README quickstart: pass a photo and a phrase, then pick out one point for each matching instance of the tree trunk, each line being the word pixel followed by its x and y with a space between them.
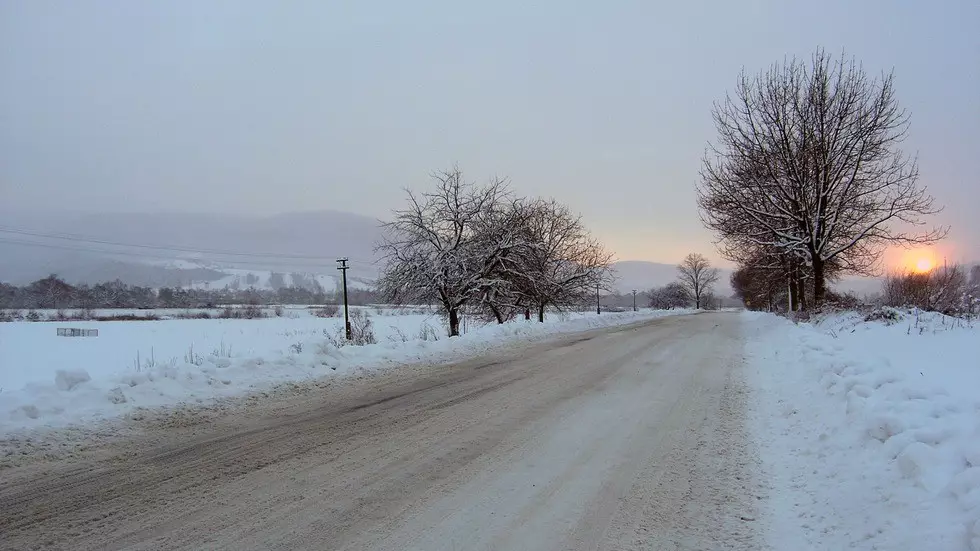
pixel 541 313
pixel 793 297
pixel 794 289
pixel 497 314
pixel 798 287
pixel 527 314
pixel 453 322
pixel 801 292
pixel 819 283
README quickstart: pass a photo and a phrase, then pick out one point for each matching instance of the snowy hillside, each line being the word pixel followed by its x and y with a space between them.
pixel 271 280
pixel 869 430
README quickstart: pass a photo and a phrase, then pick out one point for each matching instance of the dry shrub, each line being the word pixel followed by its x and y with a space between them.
pixel 361 328
pixel 326 311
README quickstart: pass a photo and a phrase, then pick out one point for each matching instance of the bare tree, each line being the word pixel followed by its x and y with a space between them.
pixel 448 245
pixel 500 297
pixel 697 276
pixel 973 291
pixel 943 289
pixel 51 292
pixel 670 296
pixel 807 161
pixel 560 264
pixel 949 288
pixel 710 301
pixel 758 287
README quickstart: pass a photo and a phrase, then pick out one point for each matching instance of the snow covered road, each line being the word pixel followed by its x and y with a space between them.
pixel 623 438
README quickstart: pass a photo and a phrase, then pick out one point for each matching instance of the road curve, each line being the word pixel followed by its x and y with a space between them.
pixel 627 438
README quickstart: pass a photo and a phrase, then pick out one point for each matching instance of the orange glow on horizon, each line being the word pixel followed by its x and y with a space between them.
pixel 920 260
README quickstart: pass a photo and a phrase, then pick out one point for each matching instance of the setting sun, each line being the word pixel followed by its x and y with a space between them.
pixel 920 260
pixel 923 265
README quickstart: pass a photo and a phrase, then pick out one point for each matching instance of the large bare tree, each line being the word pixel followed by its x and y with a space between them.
pixel 808 162
pixel 448 245
pixel 697 276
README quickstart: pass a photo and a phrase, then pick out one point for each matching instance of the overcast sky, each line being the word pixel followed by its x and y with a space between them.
pixel 268 107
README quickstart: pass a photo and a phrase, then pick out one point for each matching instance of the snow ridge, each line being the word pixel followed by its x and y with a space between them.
pixel 870 431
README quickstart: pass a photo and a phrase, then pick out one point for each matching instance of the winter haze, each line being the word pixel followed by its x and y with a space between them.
pixel 222 120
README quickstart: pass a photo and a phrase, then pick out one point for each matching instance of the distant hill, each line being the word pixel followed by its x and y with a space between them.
pixel 166 242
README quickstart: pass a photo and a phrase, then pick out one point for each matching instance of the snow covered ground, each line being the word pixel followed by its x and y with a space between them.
pixel 869 430
pixel 50 381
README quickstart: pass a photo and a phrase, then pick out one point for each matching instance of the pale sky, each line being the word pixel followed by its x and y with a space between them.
pixel 269 107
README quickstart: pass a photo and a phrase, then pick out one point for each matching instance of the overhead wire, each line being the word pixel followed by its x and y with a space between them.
pixel 173 248
pixel 246 262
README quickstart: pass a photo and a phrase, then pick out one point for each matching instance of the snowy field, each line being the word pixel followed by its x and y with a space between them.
pixel 50 381
pixel 869 430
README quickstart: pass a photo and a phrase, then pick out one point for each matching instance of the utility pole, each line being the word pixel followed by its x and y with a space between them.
pixel 634 300
pixel 598 309
pixel 343 270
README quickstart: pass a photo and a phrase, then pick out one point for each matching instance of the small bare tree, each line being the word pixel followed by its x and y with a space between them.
pixel 973 291
pixel 697 276
pixel 949 289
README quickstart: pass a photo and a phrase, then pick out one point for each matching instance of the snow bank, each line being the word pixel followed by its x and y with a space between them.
pixel 50 381
pixel 869 431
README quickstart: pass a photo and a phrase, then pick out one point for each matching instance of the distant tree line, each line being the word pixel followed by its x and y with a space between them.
pixel 952 290
pixel 54 293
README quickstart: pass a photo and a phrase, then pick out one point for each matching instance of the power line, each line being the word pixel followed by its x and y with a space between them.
pixel 159 257
pixel 86 239
pixel 343 270
pixel 76 237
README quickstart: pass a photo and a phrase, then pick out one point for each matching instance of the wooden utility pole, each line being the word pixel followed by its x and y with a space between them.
pixel 598 308
pixel 343 270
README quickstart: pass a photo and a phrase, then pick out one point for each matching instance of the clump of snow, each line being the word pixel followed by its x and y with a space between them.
pixel 886 314
pixel 69 379
pixel 116 395
pixel 148 364
pixel 30 410
pixel 881 447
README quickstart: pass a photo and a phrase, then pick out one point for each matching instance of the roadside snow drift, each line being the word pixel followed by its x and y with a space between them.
pixel 869 430
pixel 50 381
